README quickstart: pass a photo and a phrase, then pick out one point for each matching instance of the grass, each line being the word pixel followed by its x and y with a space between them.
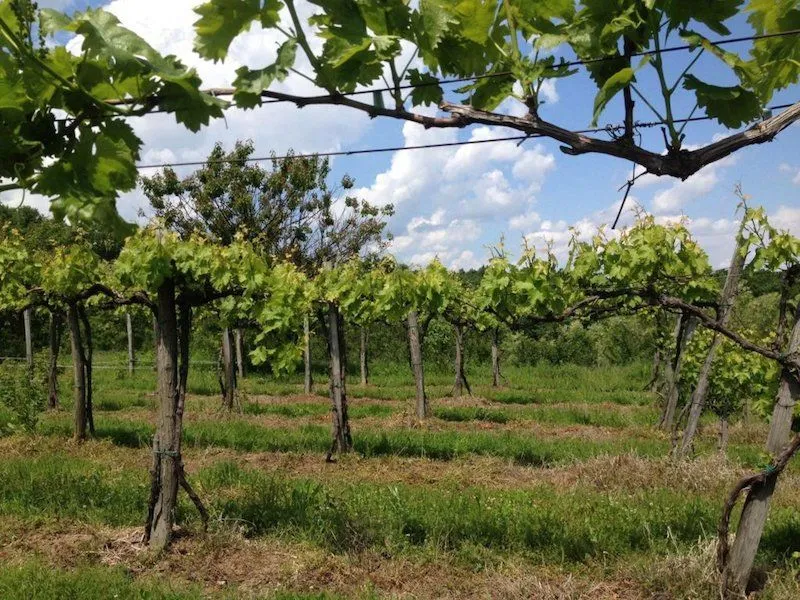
pixel 33 579
pixel 512 492
pixel 544 524
pixel 519 447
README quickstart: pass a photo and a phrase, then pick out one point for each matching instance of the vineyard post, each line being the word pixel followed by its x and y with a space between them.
pixel 684 331
pixel 228 371
pixel 727 298
pixel 756 505
pixel 415 349
pixel 26 317
pixel 722 442
pixel 239 345
pixel 52 369
pixel 308 382
pixel 362 355
pixel 131 358
pixel 495 357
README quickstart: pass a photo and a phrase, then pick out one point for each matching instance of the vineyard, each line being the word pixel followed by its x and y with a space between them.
pixel 250 392
pixel 568 495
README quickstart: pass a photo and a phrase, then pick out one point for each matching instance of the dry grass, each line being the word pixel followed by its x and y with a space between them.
pixel 225 561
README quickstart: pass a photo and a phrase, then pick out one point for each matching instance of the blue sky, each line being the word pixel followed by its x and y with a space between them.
pixel 453 203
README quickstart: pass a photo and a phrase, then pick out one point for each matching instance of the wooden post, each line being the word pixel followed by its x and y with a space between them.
pixel 415 350
pixel 26 317
pixel 363 357
pixel 308 380
pixel 131 357
pixel 684 330
pixel 495 357
pixel 722 442
pixel 55 347
pixel 756 506
pixel 729 292
pixel 228 371
pixel 239 345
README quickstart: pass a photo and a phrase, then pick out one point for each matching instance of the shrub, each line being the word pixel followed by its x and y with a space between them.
pixel 23 392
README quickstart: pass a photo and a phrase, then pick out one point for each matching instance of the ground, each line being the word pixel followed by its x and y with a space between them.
pixel 556 485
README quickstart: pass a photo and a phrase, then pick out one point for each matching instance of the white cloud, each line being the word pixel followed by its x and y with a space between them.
pixel 523 221
pixel 466 260
pixel 447 200
pixel 21 198
pixel 787 217
pixel 699 185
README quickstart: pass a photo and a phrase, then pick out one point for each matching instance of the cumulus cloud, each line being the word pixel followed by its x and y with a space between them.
pixel 523 221
pixel 448 201
pixel 787 217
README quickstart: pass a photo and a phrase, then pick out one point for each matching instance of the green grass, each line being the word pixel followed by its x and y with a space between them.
pixel 34 579
pixel 519 447
pixel 545 524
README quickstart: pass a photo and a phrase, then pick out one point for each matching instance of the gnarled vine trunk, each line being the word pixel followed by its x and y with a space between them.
pixel 461 382
pixel 342 440
pixel 727 298
pixel 169 426
pixel 415 353
pixel 308 382
pixel 756 505
pixel 362 355
pixel 56 326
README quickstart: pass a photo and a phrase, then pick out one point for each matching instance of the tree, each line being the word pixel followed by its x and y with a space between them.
pixel 289 212
pixel 173 277
pixel 505 50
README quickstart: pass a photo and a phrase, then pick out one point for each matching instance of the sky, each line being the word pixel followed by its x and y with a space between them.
pixel 456 203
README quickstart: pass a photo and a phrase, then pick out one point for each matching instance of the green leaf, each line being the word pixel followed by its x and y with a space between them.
pixel 487 93
pixel 250 83
pixel 429 91
pixel 711 13
pixel 731 106
pixel 222 20
pixel 432 22
pixel 613 85
pixel 386 46
pixel 477 17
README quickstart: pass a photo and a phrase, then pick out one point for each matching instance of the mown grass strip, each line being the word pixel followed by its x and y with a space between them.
pixel 36 580
pixel 520 447
pixel 544 524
